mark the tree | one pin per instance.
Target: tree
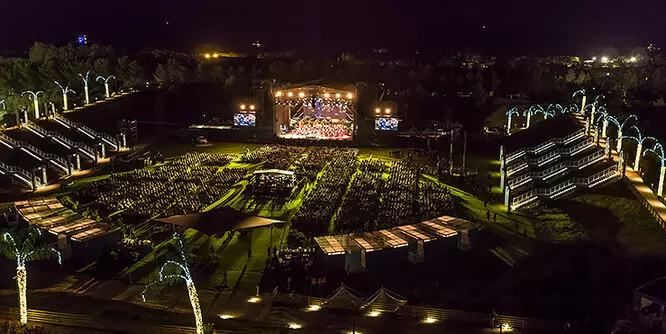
(25, 245)
(180, 271)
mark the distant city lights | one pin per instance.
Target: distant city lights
(604, 60)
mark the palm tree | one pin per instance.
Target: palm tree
(181, 271)
(25, 245)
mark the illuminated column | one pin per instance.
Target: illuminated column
(103, 151)
(44, 180)
(582, 104)
(596, 137)
(25, 114)
(85, 88)
(603, 128)
(587, 126)
(619, 141)
(106, 87)
(36, 103)
(196, 308)
(22, 282)
(501, 153)
(64, 101)
(637, 162)
(78, 161)
(502, 178)
(53, 108)
(507, 196)
(508, 126)
(124, 139)
(660, 188)
(529, 117)
(592, 114)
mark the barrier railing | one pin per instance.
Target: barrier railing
(551, 156)
(545, 145)
(59, 138)
(562, 167)
(564, 187)
(86, 130)
(645, 203)
(17, 172)
(55, 160)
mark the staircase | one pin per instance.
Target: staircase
(62, 140)
(18, 173)
(565, 187)
(551, 156)
(561, 168)
(38, 154)
(545, 145)
(86, 130)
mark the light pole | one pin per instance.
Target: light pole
(34, 97)
(85, 85)
(106, 83)
(65, 90)
(658, 150)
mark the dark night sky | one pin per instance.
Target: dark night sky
(512, 26)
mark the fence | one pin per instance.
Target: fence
(545, 145)
(551, 156)
(56, 160)
(645, 203)
(86, 130)
(17, 172)
(564, 187)
(557, 169)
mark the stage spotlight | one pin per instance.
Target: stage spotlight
(338, 95)
(387, 110)
(350, 95)
(301, 94)
(251, 106)
(215, 55)
(290, 94)
(278, 94)
(377, 110)
(327, 95)
(242, 106)
(207, 55)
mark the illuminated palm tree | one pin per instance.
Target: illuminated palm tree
(639, 144)
(65, 90)
(34, 97)
(106, 83)
(658, 150)
(512, 112)
(85, 85)
(25, 245)
(181, 272)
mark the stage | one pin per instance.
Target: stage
(314, 113)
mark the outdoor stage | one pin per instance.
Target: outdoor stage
(314, 113)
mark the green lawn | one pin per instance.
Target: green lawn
(176, 148)
(611, 216)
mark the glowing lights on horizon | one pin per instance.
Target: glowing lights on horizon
(604, 60)
(374, 314)
(314, 308)
(429, 320)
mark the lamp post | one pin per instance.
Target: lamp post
(64, 90)
(658, 150)
(85, 85)
(34, 97)
(106, 83)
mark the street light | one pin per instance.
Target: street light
(106, 83)
(85, 85)
(65, 90)
(33, 96)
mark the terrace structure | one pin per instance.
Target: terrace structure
(76, 236)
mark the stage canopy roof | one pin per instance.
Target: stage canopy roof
(219, 221)
(273, 171)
